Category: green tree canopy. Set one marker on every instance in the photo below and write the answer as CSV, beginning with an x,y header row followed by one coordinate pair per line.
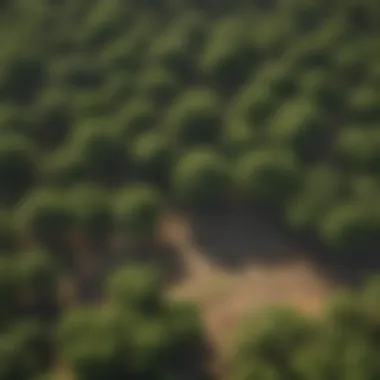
x,y
195,118
201,179
18,167
268,175
142,343
136,211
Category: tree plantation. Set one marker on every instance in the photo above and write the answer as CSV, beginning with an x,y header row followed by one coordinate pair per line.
x,y
115,112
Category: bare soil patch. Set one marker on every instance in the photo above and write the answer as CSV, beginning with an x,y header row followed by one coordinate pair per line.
x,y
226,293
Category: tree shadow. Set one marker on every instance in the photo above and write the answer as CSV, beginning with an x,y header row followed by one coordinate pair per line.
x,y
350,268
234,238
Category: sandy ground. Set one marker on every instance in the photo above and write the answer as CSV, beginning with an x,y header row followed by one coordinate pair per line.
x,y
225,297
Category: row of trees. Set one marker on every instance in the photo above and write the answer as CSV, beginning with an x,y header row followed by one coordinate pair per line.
x,y
339,206
207,108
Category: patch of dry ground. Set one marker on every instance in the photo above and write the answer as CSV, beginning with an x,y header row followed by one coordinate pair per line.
x,y
224,296
234,264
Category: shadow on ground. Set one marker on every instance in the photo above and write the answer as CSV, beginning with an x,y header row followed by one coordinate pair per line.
x,y
233,239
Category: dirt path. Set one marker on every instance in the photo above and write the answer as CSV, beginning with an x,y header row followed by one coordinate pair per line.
x,y
224,297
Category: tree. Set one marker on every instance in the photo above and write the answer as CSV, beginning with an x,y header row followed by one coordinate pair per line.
x,y
139,287
327,92
280,78
268,343
102,23
22,75
363,104
321,188
350,226
138,117
256,103
53,115
104,154
38,280
201,179
349,63
140,343
45,216
18,167
172,50
158,85
359,148
153,157
297,124
342,344
8,233
78,73
92,212
136,211
229,56
239,137
9,288
66,166
22,351
27,292
195,118
268,175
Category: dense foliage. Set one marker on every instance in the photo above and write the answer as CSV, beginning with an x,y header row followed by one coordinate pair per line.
x,y
281,344
112,111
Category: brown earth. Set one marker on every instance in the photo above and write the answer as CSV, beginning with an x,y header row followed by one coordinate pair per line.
x,y
224,296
